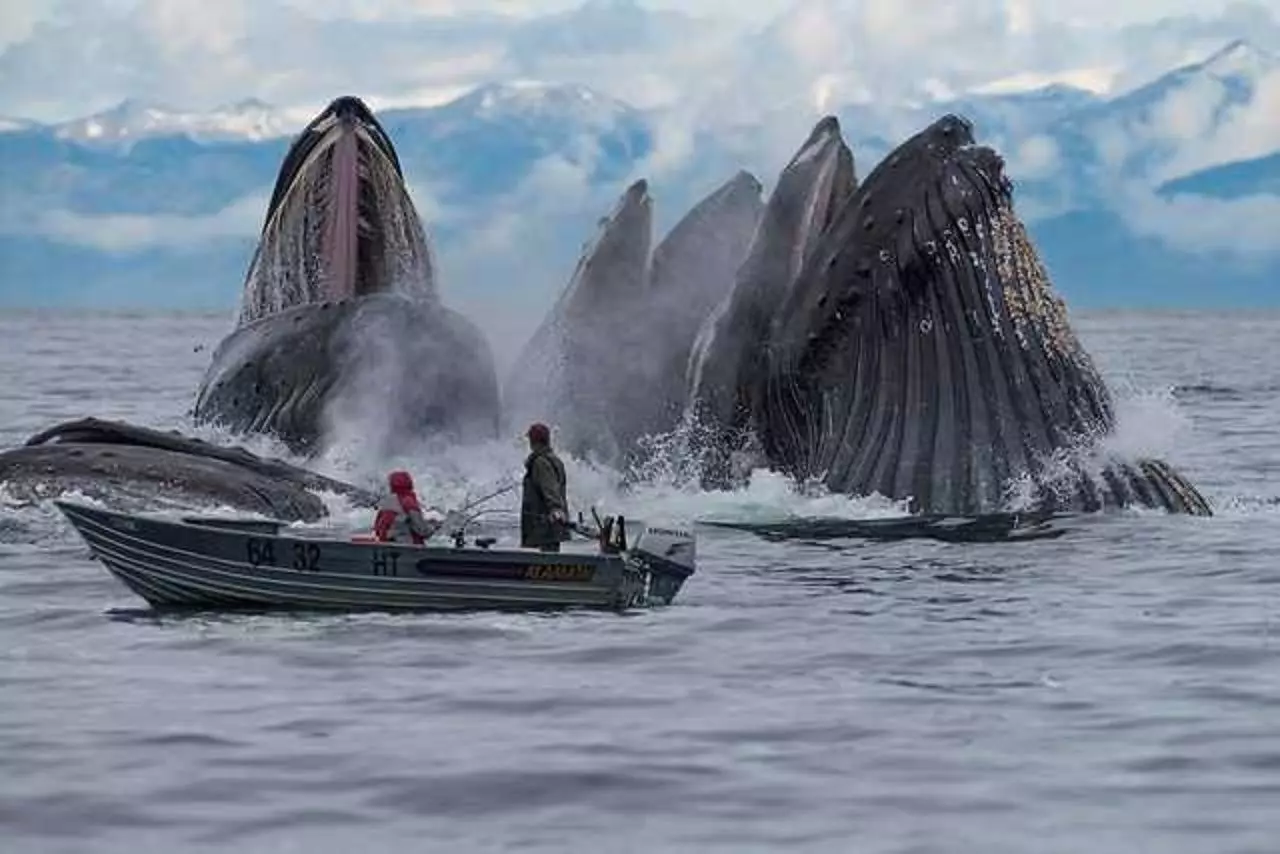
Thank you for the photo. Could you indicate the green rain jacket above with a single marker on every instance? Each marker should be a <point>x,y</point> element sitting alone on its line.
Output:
<point>544,491</point>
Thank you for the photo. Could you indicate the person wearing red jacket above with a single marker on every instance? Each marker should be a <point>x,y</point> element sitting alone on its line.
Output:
<point>400,517</point>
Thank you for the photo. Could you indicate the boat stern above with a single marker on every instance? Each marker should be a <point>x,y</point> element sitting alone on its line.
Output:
<point>669,555</point>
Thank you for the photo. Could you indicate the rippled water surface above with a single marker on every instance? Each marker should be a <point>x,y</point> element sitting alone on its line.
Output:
<point>1114,690</point>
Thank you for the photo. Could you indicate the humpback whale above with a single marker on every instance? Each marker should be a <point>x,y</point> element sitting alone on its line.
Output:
<point>340,319</point>
<point>921,353</point>
<point>109,460</point>
<point>339,322</point>
<point>607,363</point>
<point>692,270</point>
<point>573,372</point>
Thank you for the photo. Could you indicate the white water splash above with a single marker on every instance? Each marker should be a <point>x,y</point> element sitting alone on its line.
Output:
<point>664,488</point>
<point>1148,423</point>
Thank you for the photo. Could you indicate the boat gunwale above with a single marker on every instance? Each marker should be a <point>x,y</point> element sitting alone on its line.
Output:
<point>446,554</point>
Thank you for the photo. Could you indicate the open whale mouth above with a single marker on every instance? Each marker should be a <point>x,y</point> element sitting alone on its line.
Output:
<point>340,223</point>
<point>349,111</point>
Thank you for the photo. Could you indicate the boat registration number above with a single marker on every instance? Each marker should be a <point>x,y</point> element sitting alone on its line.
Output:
<point>559,572</point>
<point>304,557</point>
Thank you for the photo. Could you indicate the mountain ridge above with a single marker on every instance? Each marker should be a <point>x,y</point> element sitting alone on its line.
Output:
<point>511,177</point>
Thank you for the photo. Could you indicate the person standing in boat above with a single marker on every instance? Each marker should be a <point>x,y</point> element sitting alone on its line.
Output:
<point>544,509</point>
<point>400,517</point>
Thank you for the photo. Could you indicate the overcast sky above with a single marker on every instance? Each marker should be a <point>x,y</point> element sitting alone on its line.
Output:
<point>62,58</point>
<point>1108,11</point>
<point>18,16</point>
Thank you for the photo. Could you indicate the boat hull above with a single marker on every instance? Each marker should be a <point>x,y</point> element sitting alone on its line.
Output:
<point>239,565</point>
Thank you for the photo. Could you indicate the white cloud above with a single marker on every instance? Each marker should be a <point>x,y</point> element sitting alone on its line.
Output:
<point>123,233</point>
<point>1188,112</point>
<point>554,187</point>
<point>430,207</point>
<point>1241,132</point>
<point>405,10</point>
<point>18,18</point>
<point>196,54</point>
<point>1035,157</point>
<point>1099,80</point>
<point>1225,111</point>
<point>506,262</point>
<point>1114,144</point>
<point>1243,227</point>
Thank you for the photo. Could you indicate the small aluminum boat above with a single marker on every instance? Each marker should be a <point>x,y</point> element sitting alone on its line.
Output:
<point>239,564</point>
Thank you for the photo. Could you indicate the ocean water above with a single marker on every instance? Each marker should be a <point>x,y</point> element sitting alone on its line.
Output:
<point>1114,690</point>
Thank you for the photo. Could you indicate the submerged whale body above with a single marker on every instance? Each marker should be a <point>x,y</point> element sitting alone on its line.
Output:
<point>340,319</point>
<point>920,353</point>
<point>111,460</point>
<point>606,366</point>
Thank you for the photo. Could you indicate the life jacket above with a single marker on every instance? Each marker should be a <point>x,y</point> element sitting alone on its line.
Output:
<point>392,522</point>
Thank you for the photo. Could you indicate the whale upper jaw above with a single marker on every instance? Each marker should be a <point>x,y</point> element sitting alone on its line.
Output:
<point>340,223</point>
<point>346,112</point>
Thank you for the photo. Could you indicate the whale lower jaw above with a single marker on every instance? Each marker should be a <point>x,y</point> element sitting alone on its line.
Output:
<point>400,370</point>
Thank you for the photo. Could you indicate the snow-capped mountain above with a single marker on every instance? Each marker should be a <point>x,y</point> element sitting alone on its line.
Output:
<point>131,120</point>
<point>1195,117</point>
<point>530,103</point>
<point>533,103</point>
<point>513,176</point>
<point>485,143</point>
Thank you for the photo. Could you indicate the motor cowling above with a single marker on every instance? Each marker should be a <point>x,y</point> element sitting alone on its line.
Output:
<point>669,549</point>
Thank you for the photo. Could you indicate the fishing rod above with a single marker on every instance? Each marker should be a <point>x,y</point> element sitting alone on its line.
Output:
<point>456,521</point>
<point>482,499</point>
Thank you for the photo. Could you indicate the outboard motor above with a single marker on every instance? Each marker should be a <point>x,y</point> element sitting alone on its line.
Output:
<point>669,554</point>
